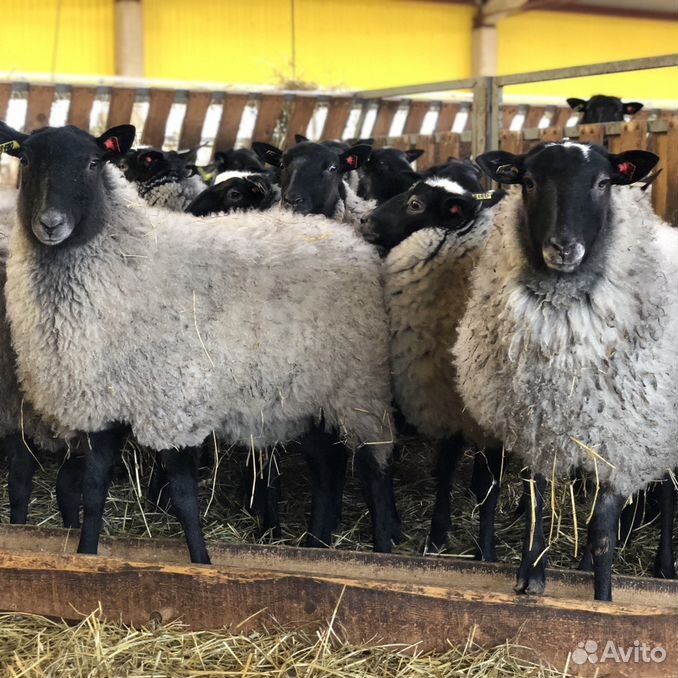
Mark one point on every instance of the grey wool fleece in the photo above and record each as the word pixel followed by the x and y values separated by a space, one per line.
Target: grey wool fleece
pixel 248 325
pixel 571 371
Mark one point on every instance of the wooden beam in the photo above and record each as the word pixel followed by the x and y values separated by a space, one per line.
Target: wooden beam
pixel 39 107
pixel 120 106
pixel 194 119
pixel 446 117
pixel 302 110
pixel 270 108
pixel 415 116
pixel 5 96
pixel 161 101
pixel 339 108
pixel 385 115
pixel 231 114
pixel 80 107
pixel 425 601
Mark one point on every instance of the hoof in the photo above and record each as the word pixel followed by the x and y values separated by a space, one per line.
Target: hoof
pixel 531 580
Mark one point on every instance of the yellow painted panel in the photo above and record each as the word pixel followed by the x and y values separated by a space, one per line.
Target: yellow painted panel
pixel 36 37
pixel 539 40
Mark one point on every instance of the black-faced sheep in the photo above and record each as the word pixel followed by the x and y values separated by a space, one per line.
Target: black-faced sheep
pixel 387 173
pixel 603 108
pixel 247 192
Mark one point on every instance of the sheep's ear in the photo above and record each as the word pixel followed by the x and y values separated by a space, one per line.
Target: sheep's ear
pixel 490 198
pixel 147 158
pixel 259 184
pixel 11 140
pixel 458 208
pixel 369 141
pixel 117 140
pixel 501 166
pixel 413 154
pixel 268 153
pixel 299 138
pixel 577 105
pixel 354 157
pixel 207 202
pixel 411 175
pixel 632 166
pixel 631 107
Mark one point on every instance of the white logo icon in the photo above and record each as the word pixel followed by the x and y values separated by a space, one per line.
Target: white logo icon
pixel 638 653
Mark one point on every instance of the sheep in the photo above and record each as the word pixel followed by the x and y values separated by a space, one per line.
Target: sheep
pixel 251 191
pixel 432 235
pixel 566 350
pixel 240 160
pixel 602 108
pixel 387 173
pixel 176 327
pixel 311 179
pixel 163 179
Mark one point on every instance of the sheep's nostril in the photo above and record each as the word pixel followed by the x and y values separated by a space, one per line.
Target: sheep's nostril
pixel 51 223
pixel 293 200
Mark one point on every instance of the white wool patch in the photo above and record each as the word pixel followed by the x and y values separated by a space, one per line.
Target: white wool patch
pixel 231 174
pixel 573 144
pixel 446 184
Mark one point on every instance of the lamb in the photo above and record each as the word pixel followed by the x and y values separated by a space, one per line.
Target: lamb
pixel 239 160
pixel 566 351
pixel 312 179
pixel 602 108
pixel 432 236
pixel 243 192
pixel 387 173
pixel 176 327
pixel 163 179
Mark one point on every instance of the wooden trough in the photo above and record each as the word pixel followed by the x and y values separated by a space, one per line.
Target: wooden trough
pixel 427 602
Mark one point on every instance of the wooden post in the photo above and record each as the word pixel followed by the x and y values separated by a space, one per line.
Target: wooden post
pixel 129 38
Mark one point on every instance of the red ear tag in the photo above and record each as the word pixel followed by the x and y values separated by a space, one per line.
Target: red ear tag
pixel 455 209
pixel 629 109
pixel 148 159
pixel 627 168
pixel 351 160
pixel 111 144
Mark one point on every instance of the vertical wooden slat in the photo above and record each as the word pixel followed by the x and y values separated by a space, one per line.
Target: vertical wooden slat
pixel 302 110
pixel 533 116
pixel 592 134
pixel 120 106
pixel 512 142
pixel 665 188
pixel 561 117
pixel 446 116
pixel 449 146
pixel 415 116
pixel 555 133
pixel 507 115
pixel 231 114
pixel 40 99
pixel 270 107
pixel 80 107
pixel 5 96
pixel 427 143
pixel 385 115
pixel 194 119
pixel 339 108
pixel 161 101
pixel 633 136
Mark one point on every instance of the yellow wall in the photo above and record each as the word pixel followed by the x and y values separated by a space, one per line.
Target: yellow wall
pixel 339 43
pixel 85 36
pixel 539 40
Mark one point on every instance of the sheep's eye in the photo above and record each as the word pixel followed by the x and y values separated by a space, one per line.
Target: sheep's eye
pixel 332 169
pixel 529 184
pixel 93 164
pixel 603 183
pixel 234 194
pixel 416 205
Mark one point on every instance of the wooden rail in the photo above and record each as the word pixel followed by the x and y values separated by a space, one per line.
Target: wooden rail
pixel 426 602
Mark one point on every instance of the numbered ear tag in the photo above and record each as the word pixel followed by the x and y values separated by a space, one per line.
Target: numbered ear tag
pixel 508 169
pixel 9 146
pixel 483 196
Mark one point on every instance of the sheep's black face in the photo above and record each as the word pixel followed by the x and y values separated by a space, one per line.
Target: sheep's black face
pixel 388 173
pixel 435 203
pixel 463 172
pixel 254 192
pixel 62 185
pixel 601 108
pixel 241 160
pixel 311 174
pixel 146 164
pixel 566 197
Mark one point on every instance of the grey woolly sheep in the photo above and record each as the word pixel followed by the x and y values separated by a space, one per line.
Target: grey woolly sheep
pixel 566 351
pixel 433 235
pixel 259 327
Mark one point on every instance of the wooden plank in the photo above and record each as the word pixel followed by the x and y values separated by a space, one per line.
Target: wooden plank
pixel 592 134
pixel 448 146
pixel 533 116
pixel 511 142
pixel 669 161
pixel 561 116
pixel 507 115
pixel 415 116
pixel 302 111
pixel 633 136
pixel 5 96
pixel 80 107
pixel 428 144
pixel 339 108
pixel 161 101
pixel 555 133
pixel 385 115
pixel 40 99
pixel 231 114
pixel 120 106
pixel 393 599
pixel 197 104
pixel 446 117
pixel 270 108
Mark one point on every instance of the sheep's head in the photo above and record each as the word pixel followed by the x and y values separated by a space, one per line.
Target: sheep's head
pixel 145 164
pixel 388 173
pixel 252 192
pixel 241 160
pixel 63 187
pixel 311 174
pixel 433 203
pixel 602 108
pixel 566 197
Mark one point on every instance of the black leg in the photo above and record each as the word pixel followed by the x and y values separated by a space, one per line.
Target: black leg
pixel 603 540
pixel 664 564
pixel 531 576
pixel 69 488
pixel 586 561
pixel 486 485
pixel 20 478
pixel 338 461
pixel 449 451
pixel 377 485
pixel 182 474
pixel 101 452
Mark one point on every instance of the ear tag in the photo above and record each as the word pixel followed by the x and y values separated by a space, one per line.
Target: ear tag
pixel 148 159
pixel 630 109
pixel 579 108
pixel 508 169
pixel 351 160
pixel 256 189
pixel 9 146
pixel 627 169
pixel 112 144
pixel 455 209
pixel 483 196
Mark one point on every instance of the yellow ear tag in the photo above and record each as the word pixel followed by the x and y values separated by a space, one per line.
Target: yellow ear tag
pixel 507 169
pixel 9 146
pixel 483 196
